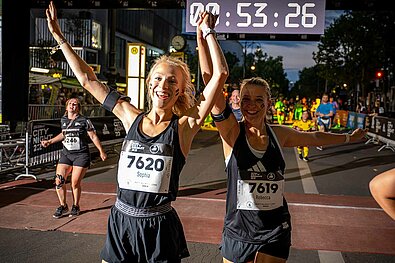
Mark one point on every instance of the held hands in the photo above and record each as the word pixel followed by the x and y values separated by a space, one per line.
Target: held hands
pixel 53 24
pixel 206 24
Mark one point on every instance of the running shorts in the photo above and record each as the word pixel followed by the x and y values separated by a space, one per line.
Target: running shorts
pixel 76 159
pixel 144 239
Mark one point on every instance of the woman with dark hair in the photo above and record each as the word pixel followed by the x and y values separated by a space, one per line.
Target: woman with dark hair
pixel 75 157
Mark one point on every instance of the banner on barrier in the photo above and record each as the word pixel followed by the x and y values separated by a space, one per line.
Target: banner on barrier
pixel 381 126
pixel 356 120
pixel 107 128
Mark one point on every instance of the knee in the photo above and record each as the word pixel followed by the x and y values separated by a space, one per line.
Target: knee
pixel 75 184
pixel 59 181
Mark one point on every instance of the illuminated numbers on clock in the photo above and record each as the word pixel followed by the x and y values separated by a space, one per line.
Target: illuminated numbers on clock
pixel 259 13
pixel 305 16
pixel 291 17
pixel 247 16
pixel 197 8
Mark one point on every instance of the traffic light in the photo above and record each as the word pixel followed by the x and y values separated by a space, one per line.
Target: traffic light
pixel 379 74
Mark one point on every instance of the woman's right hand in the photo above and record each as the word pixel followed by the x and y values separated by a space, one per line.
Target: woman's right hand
pixel 45 143
pixel 53 24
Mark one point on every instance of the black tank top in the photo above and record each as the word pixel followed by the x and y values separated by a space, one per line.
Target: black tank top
pixel 75 134
pixel 149 167
pixel 255 209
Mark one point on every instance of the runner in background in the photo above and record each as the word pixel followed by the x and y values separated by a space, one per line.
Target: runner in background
pixel 324 114
pixel 304 125
pixel 280 110
pixel 75 157
pixel 235 104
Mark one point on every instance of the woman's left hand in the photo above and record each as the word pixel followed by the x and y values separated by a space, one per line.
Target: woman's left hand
pixel 359 134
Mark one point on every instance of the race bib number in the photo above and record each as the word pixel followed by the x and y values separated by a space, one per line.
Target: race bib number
pixel 72 143
pixel 264 193
pixel 145 167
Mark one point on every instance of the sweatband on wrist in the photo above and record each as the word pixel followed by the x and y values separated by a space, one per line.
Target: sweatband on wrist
pixel 207 31
pixel 223 115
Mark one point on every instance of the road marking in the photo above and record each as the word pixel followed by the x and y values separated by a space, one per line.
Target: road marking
pixel 337 206
pixel 308 183
pixel 309 187
pixel 330 256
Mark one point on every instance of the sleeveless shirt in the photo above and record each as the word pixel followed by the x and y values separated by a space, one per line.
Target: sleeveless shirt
pixel 149 167
pixel 255 207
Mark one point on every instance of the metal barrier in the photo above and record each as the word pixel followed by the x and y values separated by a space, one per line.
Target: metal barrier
pixel 381 129
pixel 12 154
pixel 45 112
pixel 28 152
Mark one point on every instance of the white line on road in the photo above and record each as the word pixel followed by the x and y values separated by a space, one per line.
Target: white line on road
pixel 330 256
pixel 309 186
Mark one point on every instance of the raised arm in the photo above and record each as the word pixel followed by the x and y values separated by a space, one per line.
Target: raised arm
pixel 194 118
pixel 84 73
pixel 228 127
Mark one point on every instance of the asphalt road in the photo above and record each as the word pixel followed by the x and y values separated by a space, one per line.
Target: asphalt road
pixel 332 187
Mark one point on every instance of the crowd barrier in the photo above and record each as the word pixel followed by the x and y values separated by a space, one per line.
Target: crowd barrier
pixel 109 130
pixel 381 129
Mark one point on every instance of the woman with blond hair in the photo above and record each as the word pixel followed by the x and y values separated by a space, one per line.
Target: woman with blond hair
pixel 142 225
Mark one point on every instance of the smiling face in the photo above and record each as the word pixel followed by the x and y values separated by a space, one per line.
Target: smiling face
pixel 255 102
pixel 165 86
pixel 235 97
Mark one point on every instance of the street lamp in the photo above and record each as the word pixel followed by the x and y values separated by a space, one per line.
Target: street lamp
pixel 246 46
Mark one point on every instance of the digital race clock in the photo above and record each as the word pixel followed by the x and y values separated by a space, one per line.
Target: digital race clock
pixel 260 17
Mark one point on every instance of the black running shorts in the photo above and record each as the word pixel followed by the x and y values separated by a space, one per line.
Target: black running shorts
pixel 76 159
pixel 144 239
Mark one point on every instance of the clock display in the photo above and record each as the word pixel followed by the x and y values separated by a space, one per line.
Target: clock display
pixel 178 42
pixel 265 17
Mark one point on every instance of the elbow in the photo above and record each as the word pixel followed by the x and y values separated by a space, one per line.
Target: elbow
pixel 222 75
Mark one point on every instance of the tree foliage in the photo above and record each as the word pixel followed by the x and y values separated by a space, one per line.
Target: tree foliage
pixel 355 46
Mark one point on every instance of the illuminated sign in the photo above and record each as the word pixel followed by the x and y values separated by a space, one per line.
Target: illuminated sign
pixel 136 74
pixel 261 17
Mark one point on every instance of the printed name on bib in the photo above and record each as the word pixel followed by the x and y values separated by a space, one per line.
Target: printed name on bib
pixel 260 190
pixel 145 166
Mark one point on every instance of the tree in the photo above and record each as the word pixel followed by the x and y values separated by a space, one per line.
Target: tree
pixel 355 46
pixel 269 68
pixel 309 84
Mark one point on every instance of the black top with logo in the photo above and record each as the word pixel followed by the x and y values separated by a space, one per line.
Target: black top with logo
pixel 149 167
pixel 256 210
pixel 75 132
